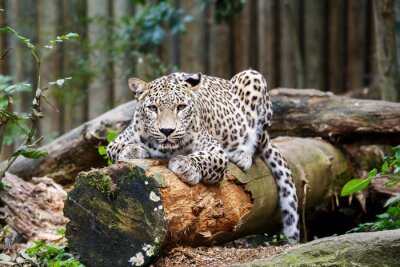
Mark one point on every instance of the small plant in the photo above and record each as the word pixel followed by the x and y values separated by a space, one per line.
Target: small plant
pixel 10 118
pixel 390 169
pixel 52 255
pixel 111 135
pixel 386 221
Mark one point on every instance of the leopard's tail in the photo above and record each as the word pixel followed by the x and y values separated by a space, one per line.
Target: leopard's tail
pixel 286 189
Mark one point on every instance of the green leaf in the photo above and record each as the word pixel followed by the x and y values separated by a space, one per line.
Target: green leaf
pixel 72 35
pixel 392 200
pixel 354 186
pixel 5 30
pixel 102 150
pixel 30 153
pixel 111 135
pixel 373 172
pixel 61 231
pixel 385 167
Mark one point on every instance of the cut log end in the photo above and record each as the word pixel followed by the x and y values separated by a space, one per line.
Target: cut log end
pixel 124 211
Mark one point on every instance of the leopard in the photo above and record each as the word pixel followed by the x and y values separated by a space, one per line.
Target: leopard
pixel 199 123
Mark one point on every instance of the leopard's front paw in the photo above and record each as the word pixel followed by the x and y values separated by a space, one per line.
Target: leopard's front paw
pixel 242 160
pixel 184 168
pixel 132 152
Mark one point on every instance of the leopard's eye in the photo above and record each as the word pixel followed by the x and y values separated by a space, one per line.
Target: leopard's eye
pixel 152 108
pixel 181 107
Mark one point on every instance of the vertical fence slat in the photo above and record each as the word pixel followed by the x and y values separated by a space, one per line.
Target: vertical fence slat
pixel 266 41
pixel 219 48
pixel 335 42
pixel 356 39
pixel 6 150
pixel 74 100
pixel 99 86
pixel 289 43
pixel 49 27
pixel 314 43
pixel 121 67
pixel 193 53
pixel 241 36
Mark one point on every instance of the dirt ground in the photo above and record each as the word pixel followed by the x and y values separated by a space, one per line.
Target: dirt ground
pixel 215 256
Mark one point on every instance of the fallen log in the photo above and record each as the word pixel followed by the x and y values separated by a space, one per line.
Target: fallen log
pixel 76 150
pixel 360 249
pixel 296 113
pixel 311 112
pixel 143 206
pixel 33 209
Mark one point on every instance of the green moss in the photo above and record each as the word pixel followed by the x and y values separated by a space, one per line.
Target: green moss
pixel 101 182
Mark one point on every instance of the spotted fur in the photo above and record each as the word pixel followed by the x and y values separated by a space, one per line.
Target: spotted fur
pixel 198 122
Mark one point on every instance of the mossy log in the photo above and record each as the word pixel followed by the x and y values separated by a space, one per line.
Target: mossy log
pixel 133 210
pixel 296 113
pixel 360 249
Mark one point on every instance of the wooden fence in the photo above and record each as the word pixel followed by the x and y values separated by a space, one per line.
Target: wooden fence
pixel 310 44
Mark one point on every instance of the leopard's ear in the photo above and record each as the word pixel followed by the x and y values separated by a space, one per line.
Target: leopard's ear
pixel 137 86
pixel 193 79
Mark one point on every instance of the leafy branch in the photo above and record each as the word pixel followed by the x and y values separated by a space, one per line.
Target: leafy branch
pixel 27 148
pixel 390 169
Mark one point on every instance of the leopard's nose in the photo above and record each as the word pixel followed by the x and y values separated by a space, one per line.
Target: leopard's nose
pixel 167 131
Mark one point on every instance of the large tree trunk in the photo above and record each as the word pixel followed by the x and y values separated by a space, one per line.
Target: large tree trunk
pixel 147 207
pixel 296 113
pixel 361 249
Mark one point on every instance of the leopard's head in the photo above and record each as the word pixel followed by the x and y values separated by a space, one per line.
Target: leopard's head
pixel 166 108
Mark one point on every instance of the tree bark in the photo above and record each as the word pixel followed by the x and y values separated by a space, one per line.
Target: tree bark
pixel 296 113
pixel 34 209
pixel 144 206
pixel 360 249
